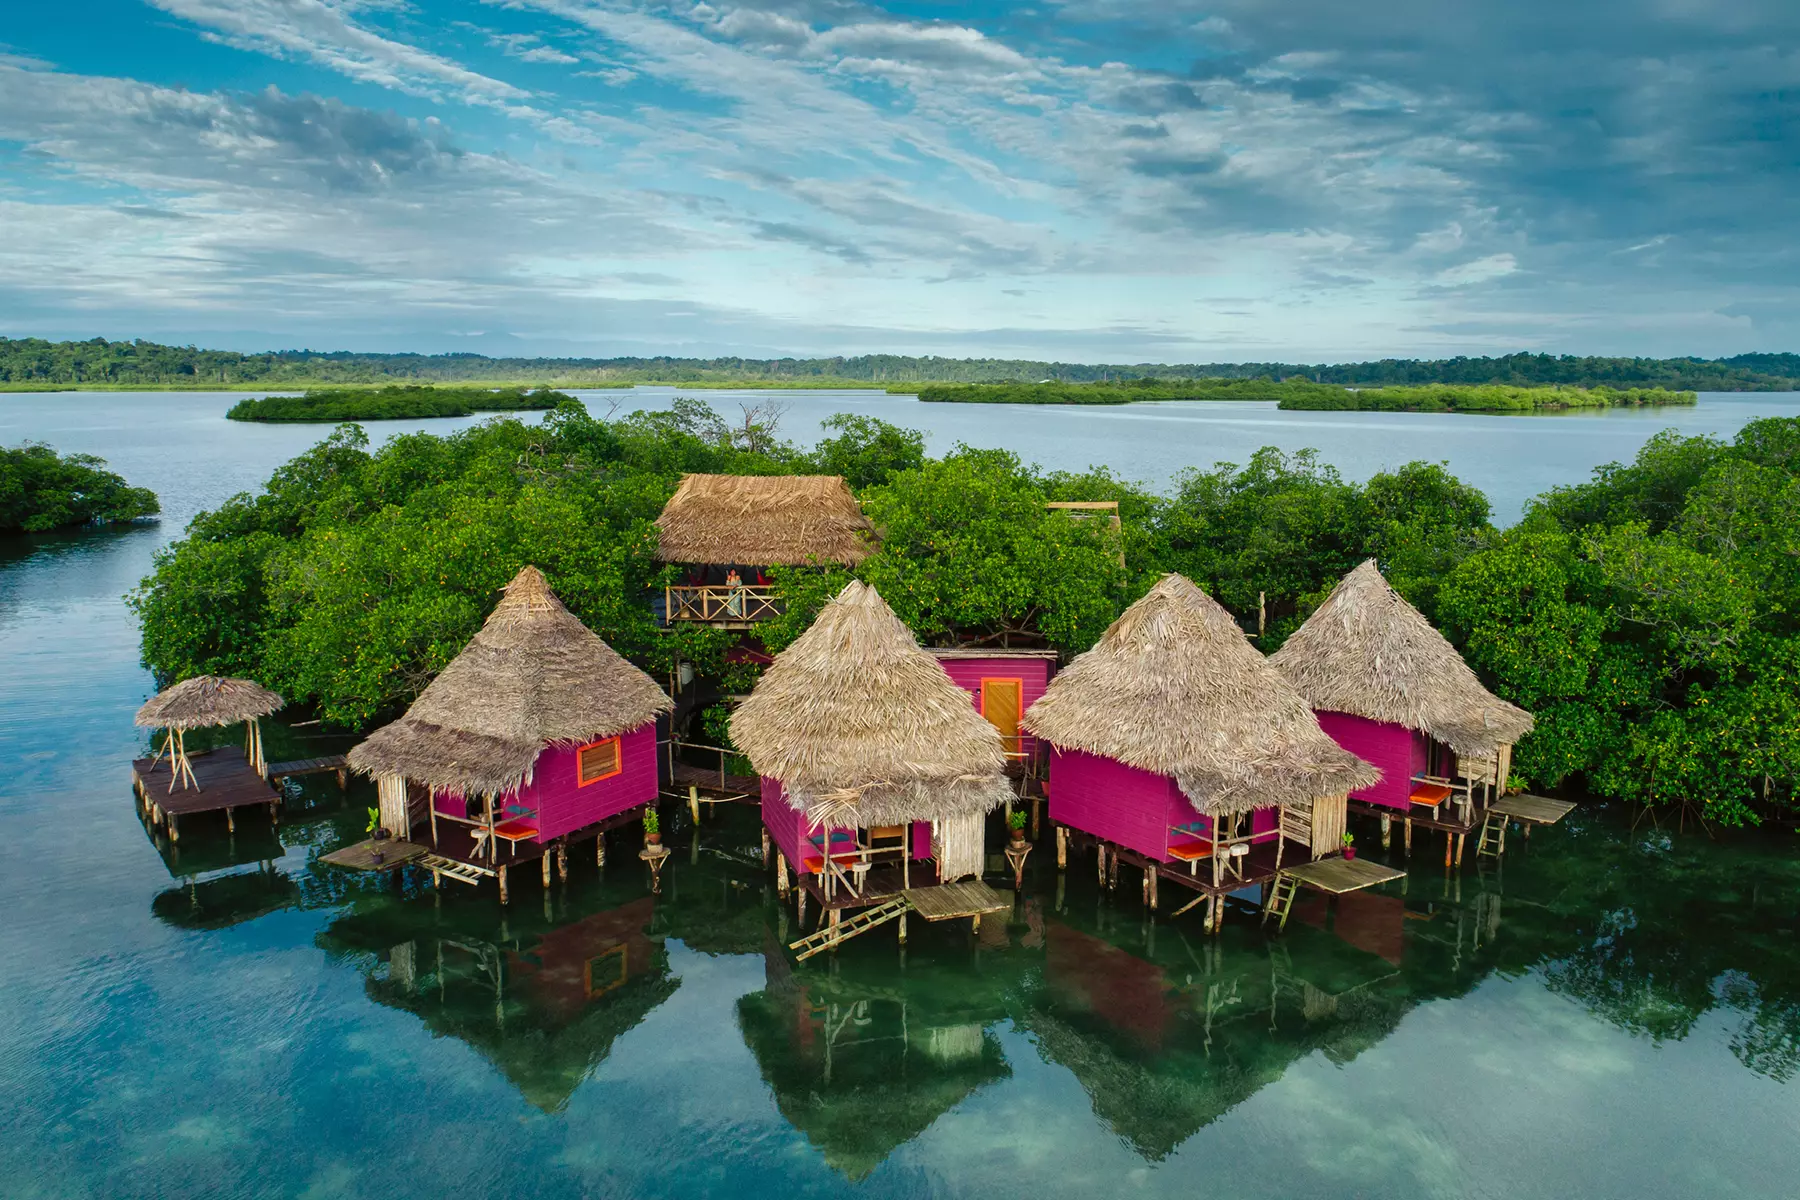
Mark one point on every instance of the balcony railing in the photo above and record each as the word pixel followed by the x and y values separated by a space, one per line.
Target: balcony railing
pixel 721 605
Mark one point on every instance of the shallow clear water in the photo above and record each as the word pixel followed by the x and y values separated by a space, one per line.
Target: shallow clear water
pixel 1607 1013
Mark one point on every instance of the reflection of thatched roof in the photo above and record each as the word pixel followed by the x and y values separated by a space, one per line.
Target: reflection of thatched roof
pixel 225 901
pixel 763 520
pixel 1173 687
pixel 1367 652
pixel 860 724
pixel 534 676
pixel 207 700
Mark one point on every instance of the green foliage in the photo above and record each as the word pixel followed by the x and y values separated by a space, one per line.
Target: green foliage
pixel 652 822
pixel 374 821
pixel 1016 819
pixel 395 403
pixel 1462 398
pixel 1128 391
pixel 867 451
pixel 42 490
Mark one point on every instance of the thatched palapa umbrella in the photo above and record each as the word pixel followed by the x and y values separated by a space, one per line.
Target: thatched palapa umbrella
pixel 532 678
pixel 1173 688
pixel 202 702
pixel 863 728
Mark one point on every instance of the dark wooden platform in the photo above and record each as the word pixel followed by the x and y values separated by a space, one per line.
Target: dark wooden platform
pixel 947 901
pixel 226 781
pixel 338 764
pixel 361 855
pixel 1258 866
pixel 1532 810
pixel 747 788
pixel 1421 818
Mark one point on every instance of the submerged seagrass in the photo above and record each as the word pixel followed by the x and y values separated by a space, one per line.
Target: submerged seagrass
pixel 859 723
pixel 1173 687
pixel 534 676
pixel 764 520
pixel 207 700
pixel 1367 652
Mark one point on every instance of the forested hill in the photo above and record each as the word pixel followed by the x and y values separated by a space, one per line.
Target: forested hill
pixel 28 362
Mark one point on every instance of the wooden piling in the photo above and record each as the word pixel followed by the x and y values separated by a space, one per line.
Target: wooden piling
pixel 501 876
pixel 781 880
pixel 694 802
pixel 1387 832
pixel 600 850
pixel 562 862
pixel 1062 847
pixel 546 861
pixel 231 820
pixel 1409 836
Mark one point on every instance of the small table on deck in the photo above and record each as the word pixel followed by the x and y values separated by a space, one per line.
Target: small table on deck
pixel 1431 795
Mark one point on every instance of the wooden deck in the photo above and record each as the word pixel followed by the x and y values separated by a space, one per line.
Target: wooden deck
pixel 1337 875
pixel 947 901
pixel 227 782
pixel 1443 821
pixel 338 764
pixel 360 857
pixel 1533 810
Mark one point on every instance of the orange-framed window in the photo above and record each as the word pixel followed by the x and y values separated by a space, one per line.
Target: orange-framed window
pixel 598 760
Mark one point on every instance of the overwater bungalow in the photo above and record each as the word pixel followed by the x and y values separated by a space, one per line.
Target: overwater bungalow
pixel 1003 684
pixel 727 530
pixel 538 734
pixel 168 782
pixel 1394 691
pixel 1177 748
pixel 873 762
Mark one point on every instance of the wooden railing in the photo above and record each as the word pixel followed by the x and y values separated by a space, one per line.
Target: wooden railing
pixel 720 604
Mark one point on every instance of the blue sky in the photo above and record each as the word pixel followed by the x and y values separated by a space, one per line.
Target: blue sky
pixel 1086 180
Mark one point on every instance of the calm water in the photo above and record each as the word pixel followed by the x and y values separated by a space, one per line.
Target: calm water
pixel 1608 1013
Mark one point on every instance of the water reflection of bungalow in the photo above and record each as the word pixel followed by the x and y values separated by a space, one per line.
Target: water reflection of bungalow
pixel 871 759
pixel 545 1010
pixel 1393 690
pixel 536 735
pixel 861 1069
pixel 1165 1046
pixel 719 527
pixel 1176 747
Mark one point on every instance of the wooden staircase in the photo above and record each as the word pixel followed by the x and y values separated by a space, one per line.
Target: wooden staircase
pixel 462 872
pixel 833 936
pixel 1281 899
pixel 1493 836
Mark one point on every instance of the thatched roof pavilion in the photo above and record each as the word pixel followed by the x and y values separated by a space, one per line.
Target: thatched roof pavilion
pixel 1174 688
pixel 534 676
pixel 1367 652
pixel 764 520
pixel 207 700
pixel 863 728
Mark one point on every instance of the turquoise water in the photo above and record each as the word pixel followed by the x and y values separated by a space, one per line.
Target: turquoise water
pixel 1609 1012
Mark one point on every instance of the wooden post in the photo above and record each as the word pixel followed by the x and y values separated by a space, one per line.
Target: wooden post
pixel 903 929
pixel 1387 832
pixel 437 881
pixel 975 924
pixel 546 861
pixel 694 802
pixel 765 842
pixel 1102 847
pixel 600 849
pixel 1037 807
pixel 1409 836
pixel 1154 881
pixel 1447 849
pixel 837 918
pixel 781 880
pixel 1062 847
pixel 502 877
pixel 1459 847
pixel 800 907
pixel 562 862
pixel 174 835
pixel 231 820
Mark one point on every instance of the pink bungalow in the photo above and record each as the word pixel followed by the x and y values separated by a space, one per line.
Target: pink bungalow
pixel 1173 741
pixel 1391 689
pixel 1003 684
pixel 537 734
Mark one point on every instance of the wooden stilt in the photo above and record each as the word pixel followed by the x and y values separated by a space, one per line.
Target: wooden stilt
pixel 1062 847
pixel 975 924
pixel 1102 865
pixel 800 908
pixel 1459 847
pixel 1037 807
pixel 501 875
pixel 231 820
pixel 546 862
pixel 694 803
pixel 837 919
pixel 174 834
pixel 562 862
pixel 1448 847
pixel 600 850
pixel 1409 835
pixel 1112 871
pixel 437 881
pixel 1155 877
pixel 781 880
pixel 274 812
pixel 903 929
pixel 765 841
pixel 1387 832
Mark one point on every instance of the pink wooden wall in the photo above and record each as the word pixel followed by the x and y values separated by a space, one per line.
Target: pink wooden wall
pixel 787 826
pixel 1394 750
pixel 562 805
pixel 1129 806
pixel 1032 673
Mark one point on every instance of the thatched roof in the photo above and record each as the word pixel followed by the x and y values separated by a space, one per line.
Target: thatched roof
pixel 534 676
pixel 764 520
pixel 1367 652
pixel 864 727
pixel 1173 687
pixel 207 700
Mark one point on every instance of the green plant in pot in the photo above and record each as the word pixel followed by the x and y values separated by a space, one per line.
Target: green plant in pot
pixel 377 836
pixel 1015 824
pixel 652 828
pixel 1349 845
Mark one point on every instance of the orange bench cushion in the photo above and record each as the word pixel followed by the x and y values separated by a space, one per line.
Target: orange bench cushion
pixel 812 864
pixel 1189 849
pixel 516 830
pixel 1433 794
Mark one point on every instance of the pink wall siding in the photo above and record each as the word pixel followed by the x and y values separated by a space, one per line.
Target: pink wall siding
pixel 1122 804
pixel 788 829
pixel 561 804
pixel 1033 674
pixel 1389 748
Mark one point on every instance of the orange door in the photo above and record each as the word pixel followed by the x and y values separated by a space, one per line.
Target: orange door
pixel 1001 700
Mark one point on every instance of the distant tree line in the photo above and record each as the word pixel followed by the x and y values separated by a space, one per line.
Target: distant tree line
pixel 29 362
pixel 41 490
pixel 396 403
pixel 1296 393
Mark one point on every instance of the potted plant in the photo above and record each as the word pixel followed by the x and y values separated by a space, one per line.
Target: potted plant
pixel 652 828
pixel 1349 845
pixel 377 836
pixel 1015 824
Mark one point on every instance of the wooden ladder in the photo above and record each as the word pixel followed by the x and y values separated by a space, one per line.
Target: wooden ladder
pixel 1281 899
pixel 1493 836
pixel 833 936
pixel 462 872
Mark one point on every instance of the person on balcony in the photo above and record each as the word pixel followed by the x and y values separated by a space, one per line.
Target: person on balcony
pixel 734 595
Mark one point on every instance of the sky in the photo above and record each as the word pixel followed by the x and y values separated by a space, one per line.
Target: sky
pixel 1079 180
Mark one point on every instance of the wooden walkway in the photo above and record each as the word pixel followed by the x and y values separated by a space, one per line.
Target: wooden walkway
pixel 1338 875
pixel 1534 810
pixel 739 787
pixel 227 782
pixel 947 901
pixel 361 856
pixel 942 902
pixel 336 763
